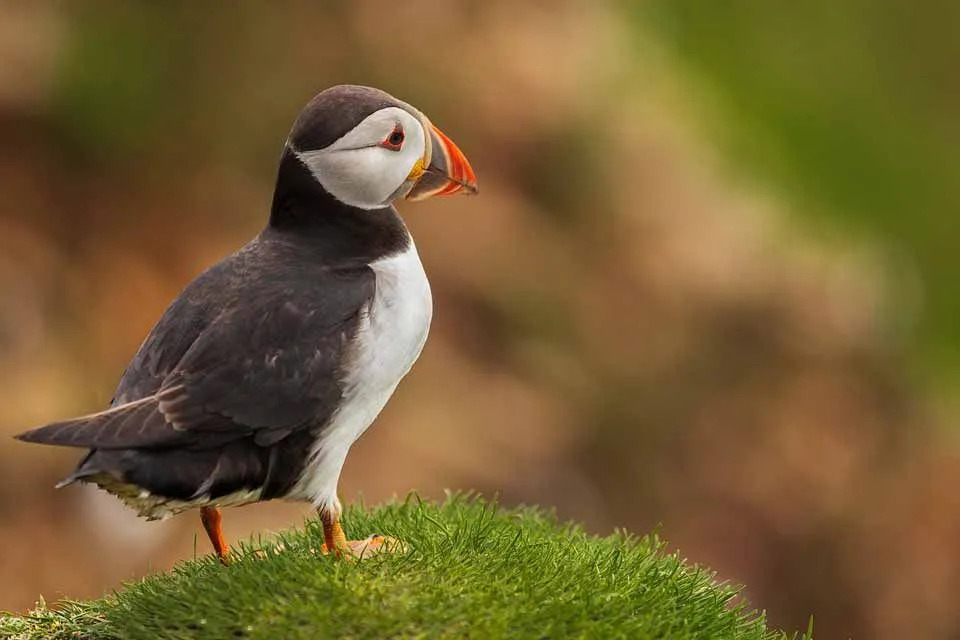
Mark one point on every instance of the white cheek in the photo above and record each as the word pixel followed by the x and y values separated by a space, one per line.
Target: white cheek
pixel 368 176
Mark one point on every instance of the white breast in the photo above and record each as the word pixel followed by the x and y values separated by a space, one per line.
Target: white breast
pixel 392 331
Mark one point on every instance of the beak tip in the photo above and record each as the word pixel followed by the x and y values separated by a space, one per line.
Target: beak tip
pixel 448 172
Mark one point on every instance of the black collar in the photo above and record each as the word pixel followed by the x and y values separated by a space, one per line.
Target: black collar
pixel 304 212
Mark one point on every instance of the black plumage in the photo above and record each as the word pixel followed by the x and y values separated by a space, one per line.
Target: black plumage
pixel 266 368
pixel 244 368
pixel 235 378
pixel 331 113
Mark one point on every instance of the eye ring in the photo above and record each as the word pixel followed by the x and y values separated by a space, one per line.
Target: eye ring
pixel 394 141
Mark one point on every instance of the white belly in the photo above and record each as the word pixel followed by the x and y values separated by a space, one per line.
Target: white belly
pixel 390 337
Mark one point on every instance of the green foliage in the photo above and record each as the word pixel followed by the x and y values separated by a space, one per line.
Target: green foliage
pixel 852 107
pixel 115 81
pixel 470 570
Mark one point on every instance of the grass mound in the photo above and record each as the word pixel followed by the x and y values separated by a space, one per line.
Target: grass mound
pixel 469 570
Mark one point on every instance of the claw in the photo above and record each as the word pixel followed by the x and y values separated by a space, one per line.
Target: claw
pixel 367 547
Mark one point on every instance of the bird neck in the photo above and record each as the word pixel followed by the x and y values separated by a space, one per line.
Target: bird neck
pixel 304 212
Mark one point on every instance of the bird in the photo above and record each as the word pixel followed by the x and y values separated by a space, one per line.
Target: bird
pixel 269 365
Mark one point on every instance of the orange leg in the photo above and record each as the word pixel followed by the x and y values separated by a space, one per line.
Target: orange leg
pixel 333 537
pixel 211 518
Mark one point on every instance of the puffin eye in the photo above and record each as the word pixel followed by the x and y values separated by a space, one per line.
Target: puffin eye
pixel 395 140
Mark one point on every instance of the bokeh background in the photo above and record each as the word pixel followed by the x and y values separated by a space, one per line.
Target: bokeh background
pixel 710 286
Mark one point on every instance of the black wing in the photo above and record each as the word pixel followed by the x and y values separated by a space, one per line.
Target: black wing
pixel 230 387
pixel 265 367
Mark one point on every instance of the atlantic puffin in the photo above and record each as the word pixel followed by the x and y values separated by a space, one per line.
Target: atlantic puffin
pixel 267 367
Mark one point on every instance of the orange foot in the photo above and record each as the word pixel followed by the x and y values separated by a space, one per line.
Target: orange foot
pixel 335 540
pixel 364 548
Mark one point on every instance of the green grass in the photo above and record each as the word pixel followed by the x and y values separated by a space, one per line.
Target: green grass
pixel 470 570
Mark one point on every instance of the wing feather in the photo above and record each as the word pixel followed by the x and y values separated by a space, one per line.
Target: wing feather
pixel 135 424
pixel 264 368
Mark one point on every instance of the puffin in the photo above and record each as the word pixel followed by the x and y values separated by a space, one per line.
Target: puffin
pixel 267 367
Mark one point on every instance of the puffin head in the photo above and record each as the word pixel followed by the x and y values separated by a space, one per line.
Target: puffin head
pixel 366 149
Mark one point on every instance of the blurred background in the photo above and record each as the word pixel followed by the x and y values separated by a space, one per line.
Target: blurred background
pixel 710 286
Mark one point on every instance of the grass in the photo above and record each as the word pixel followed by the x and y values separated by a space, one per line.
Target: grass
pixel 470 570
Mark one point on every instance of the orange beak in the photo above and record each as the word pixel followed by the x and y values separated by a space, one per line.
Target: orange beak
pixel 447 172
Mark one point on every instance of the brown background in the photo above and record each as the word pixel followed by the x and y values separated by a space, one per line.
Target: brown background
pixel 633 324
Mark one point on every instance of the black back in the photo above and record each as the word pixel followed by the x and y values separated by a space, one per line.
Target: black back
pixel 245 368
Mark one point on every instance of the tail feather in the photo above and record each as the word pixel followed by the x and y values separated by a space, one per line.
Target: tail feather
pixel 178 474
pixel 82 472
pixel 77 475
pixel 135 424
